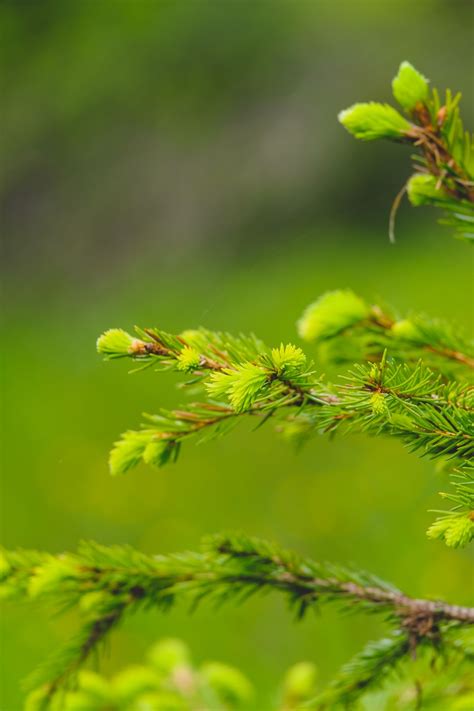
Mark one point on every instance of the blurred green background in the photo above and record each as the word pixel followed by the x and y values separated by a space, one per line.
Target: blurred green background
pixel 180 164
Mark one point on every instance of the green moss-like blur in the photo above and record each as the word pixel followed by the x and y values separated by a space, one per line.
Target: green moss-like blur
pixel 180 164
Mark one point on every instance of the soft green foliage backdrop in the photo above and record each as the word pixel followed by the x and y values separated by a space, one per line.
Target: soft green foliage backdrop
pixel 192 172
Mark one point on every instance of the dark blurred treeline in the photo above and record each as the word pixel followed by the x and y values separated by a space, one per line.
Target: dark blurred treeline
pixel 164 126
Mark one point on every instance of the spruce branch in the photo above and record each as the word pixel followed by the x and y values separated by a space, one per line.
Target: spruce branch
pixel 383 662
pixel 193 350
pixel 431 414
pixel 456 526
pixel 370 668
pixel 432 417
pixel 56 671
pixel 107 583
pixel 344 333
pixel 444 165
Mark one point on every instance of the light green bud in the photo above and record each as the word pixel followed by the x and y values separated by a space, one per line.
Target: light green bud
pixel 160 701
pixel 456 531
pixel 410 87
pixel 378 404
pixel 188 360
pixel 133 681
pixel 80 701
pixel 300 681
pixel 116 342
pixel 371 121
pixel 168 654
pixel 422 190
pixel 330 314
pixel 242 385
pixel 229 683
pixel 288 357
pixel 94 685
pixel 406 330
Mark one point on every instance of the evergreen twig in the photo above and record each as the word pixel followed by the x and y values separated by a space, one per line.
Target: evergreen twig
pixel 431 414
pixel 107 583
pixel 444 165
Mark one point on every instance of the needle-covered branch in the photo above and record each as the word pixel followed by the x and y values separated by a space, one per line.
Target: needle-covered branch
pixel 383 663
pixel 240 375
pixel 243 377
pixel 431 414
pixel 107 583
pixel 345 328
pixel 444 164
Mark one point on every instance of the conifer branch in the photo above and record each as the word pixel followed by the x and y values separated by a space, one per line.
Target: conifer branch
pixel 107 583
pixel 368 669
pixel 412 403
pixel 429 413
pixel 444 166
pixel 343 334
pixel 380 662
pixel 432 415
